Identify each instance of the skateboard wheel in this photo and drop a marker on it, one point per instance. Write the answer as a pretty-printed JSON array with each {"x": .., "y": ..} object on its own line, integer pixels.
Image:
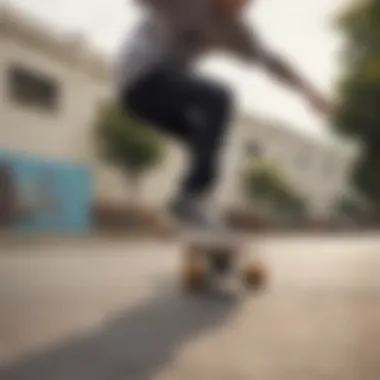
[
  {"x": 254, "y": 276},
  {"x": 194, "y": 275},
  {"x": 194, "y": 278}
]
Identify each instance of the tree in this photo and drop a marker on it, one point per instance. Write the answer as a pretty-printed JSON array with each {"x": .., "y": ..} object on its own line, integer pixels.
[
  {"x": 359, "y": 91},
  {"x": 351, "y": 206},
  {"x": 263, "y": 179},
  {"x": 265, "y": 183},
  {"x": 292, "y": 204},
  {"x": 131, "y": 146}
]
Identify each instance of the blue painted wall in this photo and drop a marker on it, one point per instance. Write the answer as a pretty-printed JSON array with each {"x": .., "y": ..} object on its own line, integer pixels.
[{"x": 52, "y": 195}]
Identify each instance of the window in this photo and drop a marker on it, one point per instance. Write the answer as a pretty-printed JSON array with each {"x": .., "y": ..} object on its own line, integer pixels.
[{"x": 31, "y": 89}]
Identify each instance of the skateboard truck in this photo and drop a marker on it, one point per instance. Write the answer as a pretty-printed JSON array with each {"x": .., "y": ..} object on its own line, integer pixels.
[{"x": 205, "y": 261}]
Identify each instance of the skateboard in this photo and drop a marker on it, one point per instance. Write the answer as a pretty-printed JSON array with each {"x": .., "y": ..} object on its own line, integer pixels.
[{"x": 210, "y": 259}]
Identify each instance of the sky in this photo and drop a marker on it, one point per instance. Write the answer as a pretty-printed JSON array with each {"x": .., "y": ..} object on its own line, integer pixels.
[{"x": 300, "y": 30}]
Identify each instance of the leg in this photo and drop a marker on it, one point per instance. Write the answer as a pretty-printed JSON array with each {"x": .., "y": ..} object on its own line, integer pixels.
[
  {"x": 208, "y": 113},
  {"x": 157, "y": 99},
  {"x": 192, "y": 109}
]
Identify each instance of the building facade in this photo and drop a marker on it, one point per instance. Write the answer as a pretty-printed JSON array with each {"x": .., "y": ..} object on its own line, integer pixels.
[
  {"x": 318, "y": 166},
  {"x": 51, "y": 88}
]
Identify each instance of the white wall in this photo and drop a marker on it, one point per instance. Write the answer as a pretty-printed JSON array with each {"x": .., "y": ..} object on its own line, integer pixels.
[
  {"x": 319, "y": 167},
  {"x": 62, "y": 134},
  {"x": 68, "y": 135}
]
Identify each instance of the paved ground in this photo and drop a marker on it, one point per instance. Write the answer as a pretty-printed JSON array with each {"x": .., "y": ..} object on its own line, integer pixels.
[{"x": 113, "y": 311}]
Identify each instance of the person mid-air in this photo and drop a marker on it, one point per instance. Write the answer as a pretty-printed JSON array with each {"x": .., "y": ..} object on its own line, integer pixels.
[{"x": 157, "y": 83}]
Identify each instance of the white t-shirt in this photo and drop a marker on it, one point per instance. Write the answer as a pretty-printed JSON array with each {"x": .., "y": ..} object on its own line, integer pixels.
[{"x": 179, "y": 36}]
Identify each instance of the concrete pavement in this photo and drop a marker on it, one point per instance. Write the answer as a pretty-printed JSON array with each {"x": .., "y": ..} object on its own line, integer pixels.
[{"x": 112, "y": 310}]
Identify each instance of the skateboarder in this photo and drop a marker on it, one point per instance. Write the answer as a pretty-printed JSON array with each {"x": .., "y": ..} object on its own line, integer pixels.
[{"x": 157, "y": 82}]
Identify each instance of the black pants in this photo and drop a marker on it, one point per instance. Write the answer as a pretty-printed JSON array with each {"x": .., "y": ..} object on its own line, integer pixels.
[{"x": 194, "y": 110}]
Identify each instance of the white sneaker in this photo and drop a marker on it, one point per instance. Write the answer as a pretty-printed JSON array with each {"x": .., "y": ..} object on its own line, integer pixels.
[{"x": 195, "y": 213}]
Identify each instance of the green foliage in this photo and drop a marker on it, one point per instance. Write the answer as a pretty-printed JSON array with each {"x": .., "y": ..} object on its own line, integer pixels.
[
  {"x": 292, "y": 203},
  {"x": 359, "y": 90},
  {"x": 124, "y": 142},
  {"x": 351, "y": 207},
  {"x": 264, "y": 181},
  {"x": 360, "y": 22}
]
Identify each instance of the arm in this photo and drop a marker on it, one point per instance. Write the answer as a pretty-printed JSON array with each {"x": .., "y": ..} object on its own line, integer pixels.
[
  {"x": 153, "y": 4},
  {"x": 164, "y": 8},
  {"x": 179, "y": 15},
  {"x": 284, "y": 72},
  {"x": 171, "y": 9},
  {"x": 243, "y": 42}
]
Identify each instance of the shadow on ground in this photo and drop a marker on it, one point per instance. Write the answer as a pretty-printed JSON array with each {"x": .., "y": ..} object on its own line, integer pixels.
[{"x": 132, "y": 346}]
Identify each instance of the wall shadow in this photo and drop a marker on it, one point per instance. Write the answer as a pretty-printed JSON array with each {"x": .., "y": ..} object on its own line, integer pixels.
[{"x": 133, "y": 345}]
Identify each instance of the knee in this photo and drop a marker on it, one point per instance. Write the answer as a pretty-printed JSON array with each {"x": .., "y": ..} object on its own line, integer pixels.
[{"x": 214, "y": 102}]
